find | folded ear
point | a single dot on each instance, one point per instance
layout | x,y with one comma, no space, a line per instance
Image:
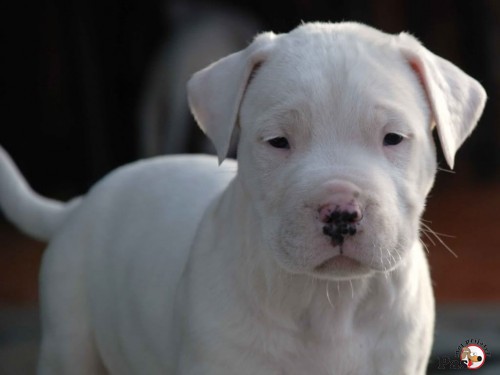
456,99
215,93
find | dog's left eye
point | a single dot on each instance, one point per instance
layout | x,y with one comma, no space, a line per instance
392,139
279,142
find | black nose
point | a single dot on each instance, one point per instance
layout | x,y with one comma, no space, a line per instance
341,224
346,216
479,358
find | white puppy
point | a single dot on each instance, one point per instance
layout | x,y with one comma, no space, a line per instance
307,260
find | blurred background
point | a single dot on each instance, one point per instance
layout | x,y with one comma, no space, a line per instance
90,85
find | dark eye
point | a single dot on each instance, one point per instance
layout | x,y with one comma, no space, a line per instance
279,142
392,139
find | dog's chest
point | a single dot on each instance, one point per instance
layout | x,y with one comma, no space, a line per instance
325,341
341,355
331,345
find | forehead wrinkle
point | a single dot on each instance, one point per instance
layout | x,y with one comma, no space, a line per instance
331,79
347,115
358,93
327,73
291,117
387,112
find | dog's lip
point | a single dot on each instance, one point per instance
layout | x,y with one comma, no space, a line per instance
338,262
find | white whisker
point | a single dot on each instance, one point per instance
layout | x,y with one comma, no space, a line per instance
442,234
425,232
328,294
445,170
436,235
425,247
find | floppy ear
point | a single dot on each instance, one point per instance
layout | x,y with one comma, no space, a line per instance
215,93
456,99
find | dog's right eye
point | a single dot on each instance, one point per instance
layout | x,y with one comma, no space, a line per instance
392,139
279,142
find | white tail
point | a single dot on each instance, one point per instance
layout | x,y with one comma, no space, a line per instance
33,214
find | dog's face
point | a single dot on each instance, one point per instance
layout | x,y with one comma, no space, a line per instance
335,147
324,137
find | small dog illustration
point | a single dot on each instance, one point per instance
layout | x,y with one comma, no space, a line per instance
468,357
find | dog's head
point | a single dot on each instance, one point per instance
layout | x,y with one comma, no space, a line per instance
334,129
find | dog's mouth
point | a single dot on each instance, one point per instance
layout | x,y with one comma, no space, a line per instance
337,263
341,267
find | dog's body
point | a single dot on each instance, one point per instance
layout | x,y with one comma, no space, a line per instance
306,260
